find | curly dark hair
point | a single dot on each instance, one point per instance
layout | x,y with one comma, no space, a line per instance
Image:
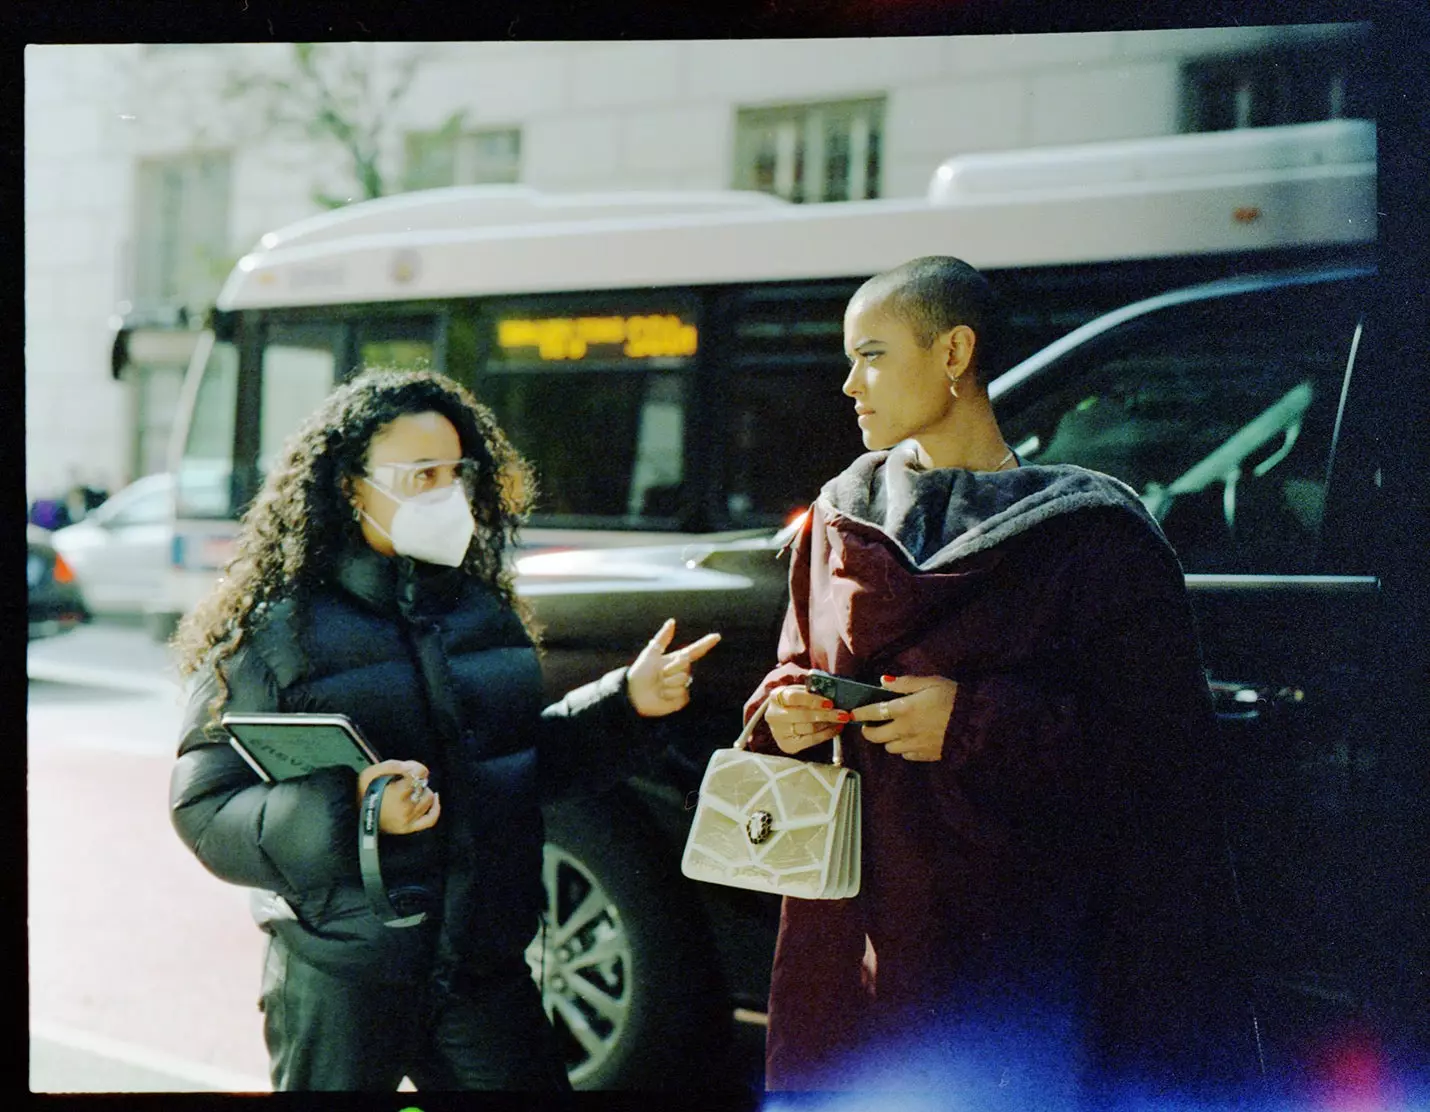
293,535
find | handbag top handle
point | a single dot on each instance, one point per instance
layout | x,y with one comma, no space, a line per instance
744,739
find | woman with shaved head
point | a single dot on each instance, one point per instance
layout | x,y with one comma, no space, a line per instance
1046,915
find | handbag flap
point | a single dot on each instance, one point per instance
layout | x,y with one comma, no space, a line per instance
772,824
796,793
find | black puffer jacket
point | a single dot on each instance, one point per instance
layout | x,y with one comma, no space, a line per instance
433,667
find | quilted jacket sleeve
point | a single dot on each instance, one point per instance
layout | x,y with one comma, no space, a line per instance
592,739
289,837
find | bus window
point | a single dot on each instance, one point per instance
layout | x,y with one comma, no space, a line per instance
606,445
405,355
594,395
401,343
207,462
660,451
788,426
298,373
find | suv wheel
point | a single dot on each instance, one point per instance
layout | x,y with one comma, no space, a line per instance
624,961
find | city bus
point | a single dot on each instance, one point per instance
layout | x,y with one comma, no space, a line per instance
671,362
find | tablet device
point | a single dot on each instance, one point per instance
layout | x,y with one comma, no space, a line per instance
280,746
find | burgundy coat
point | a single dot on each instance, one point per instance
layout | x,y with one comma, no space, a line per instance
1047,908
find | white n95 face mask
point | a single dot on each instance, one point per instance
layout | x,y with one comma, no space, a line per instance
435,527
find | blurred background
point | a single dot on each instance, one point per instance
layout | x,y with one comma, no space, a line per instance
151,169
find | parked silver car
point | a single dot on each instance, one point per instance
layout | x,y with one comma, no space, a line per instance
120,550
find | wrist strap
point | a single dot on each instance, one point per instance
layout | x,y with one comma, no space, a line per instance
368,815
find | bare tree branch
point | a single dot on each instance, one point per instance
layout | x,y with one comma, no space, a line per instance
335,92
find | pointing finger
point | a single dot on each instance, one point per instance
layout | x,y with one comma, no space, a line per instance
696,649
661,640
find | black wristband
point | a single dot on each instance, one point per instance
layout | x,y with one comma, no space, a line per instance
368,815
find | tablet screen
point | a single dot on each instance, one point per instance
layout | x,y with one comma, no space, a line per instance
280,746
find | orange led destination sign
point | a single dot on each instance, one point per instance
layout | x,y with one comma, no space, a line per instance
650,336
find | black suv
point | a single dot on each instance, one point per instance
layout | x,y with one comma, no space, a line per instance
1231,407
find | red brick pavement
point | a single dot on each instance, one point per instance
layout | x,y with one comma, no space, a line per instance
130,938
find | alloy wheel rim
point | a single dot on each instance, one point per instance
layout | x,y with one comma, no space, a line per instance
581,958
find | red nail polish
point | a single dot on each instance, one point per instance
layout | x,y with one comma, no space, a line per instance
826,704
844,716
887,679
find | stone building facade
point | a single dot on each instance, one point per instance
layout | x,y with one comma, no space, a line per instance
147,175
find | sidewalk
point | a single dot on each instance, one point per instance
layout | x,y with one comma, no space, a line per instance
104,653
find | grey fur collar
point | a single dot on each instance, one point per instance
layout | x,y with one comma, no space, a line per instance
941,516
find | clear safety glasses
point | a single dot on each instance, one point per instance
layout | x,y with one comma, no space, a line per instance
409,480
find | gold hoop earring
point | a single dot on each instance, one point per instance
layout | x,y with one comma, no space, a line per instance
953,388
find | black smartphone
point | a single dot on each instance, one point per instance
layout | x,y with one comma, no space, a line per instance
845,694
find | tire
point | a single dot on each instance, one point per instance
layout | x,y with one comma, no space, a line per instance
628,973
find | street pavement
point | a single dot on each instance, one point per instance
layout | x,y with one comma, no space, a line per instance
114,655
143,968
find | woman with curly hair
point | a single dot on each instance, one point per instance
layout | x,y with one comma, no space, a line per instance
371,580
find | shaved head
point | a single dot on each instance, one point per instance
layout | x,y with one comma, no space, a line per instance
934,294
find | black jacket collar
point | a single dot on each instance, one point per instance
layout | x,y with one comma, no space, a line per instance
398,584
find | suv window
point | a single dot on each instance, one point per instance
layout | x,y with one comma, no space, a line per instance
1218,413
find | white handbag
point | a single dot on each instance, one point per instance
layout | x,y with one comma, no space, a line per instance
776,824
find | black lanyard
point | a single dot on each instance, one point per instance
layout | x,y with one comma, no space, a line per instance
367,858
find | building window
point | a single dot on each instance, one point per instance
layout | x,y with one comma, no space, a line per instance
1324,80
811,152
437,158
181,231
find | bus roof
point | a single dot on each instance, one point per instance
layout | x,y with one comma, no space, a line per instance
1302,185
468,206
1199,155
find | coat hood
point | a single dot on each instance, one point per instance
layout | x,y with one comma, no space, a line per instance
938,517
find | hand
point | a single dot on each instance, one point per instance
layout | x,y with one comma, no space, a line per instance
408,805
914,725
798,718
657,682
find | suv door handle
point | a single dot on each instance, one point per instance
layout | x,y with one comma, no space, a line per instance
1248,700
